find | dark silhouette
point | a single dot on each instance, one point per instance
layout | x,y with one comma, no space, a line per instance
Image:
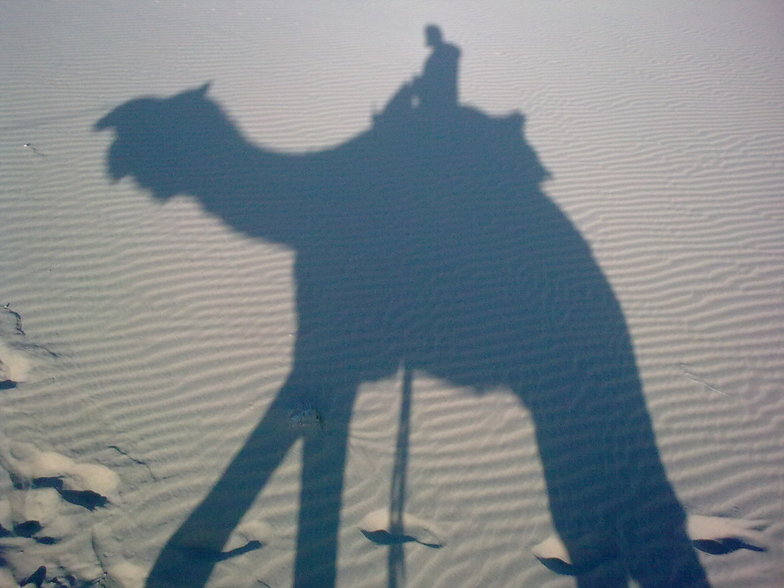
424,242
436,88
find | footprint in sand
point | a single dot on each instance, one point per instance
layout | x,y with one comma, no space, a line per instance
88,485
39,531
719,535
377,526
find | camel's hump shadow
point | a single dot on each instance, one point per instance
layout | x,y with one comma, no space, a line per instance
427,240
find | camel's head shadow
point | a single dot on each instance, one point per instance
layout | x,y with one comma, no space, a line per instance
157,140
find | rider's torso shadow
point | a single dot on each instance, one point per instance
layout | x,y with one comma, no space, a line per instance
426,242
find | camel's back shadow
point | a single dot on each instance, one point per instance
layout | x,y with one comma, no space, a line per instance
427,241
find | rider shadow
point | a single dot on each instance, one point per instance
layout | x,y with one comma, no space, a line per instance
425,242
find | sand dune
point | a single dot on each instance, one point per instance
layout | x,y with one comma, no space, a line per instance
143,341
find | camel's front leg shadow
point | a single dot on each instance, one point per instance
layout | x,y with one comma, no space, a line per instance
192,551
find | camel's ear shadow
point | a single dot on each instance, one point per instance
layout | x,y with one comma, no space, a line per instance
194,95
202,90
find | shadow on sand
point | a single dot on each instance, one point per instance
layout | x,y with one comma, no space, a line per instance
425,242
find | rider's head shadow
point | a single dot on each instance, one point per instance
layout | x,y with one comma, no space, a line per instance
425,241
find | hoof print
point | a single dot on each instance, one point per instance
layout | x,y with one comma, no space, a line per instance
719,535
378,527
554,555
713,535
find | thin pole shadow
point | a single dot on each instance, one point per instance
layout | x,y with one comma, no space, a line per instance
396,559
427,242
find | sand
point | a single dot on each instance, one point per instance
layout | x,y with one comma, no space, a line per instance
143,339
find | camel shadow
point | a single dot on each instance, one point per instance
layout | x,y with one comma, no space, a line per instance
424,242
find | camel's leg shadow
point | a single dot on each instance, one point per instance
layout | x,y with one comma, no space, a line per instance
190,554
610,499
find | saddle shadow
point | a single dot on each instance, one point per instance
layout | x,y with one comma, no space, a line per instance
424,242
